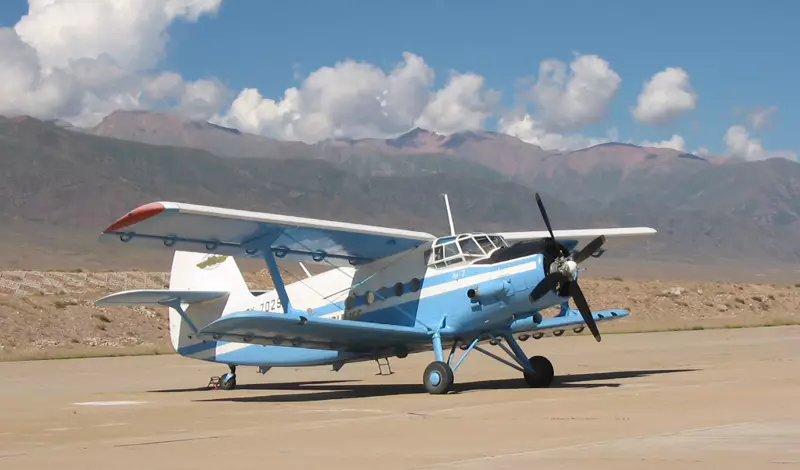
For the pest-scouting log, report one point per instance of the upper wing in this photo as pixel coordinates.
(615, 236)
(309, 332)
(190, 227)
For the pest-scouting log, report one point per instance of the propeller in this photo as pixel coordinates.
(563, 271)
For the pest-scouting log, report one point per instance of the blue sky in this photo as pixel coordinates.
(737, 54)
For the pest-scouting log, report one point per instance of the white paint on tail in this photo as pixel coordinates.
(205, 272)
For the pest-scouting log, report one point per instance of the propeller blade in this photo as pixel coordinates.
(580, 301)
(590, 248)
(544, 216)
(546, 285)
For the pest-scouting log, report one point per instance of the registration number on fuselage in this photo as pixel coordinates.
(268, 306)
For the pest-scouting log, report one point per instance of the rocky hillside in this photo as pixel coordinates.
(55, 181)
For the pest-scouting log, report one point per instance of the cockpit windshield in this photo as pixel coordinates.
(463, 249)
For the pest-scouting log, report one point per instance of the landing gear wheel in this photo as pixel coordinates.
(543, 372)
(438, 378)
(228, 381)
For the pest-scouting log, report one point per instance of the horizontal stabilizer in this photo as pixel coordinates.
(309, 332)
(159, 297)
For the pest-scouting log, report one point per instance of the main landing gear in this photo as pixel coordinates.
(438, 377)
(224, 381)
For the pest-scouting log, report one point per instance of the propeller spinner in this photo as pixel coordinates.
(564, 271)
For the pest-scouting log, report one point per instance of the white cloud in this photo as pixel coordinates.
(666, 96)
(570, 101)
(528, 129)
(758, 118)
(356, 99)
(675, 142)
(131, 33)
(464, 104)
(80, 60)
(565, 101)
(741, 145)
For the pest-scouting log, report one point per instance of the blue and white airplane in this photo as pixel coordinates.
(389, 293)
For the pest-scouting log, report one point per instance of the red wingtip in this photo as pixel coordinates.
(137, 215)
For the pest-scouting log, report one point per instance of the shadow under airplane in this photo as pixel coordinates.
(341, 389)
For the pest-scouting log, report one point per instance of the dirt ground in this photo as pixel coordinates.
(678, 400)
(51, 314)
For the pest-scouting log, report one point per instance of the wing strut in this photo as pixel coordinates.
(277, 279)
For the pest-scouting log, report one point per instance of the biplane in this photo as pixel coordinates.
(387, 293)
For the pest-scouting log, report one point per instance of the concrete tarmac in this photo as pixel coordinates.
(688, 400)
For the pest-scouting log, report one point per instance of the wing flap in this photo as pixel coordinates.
(191, 227)
(309, 332)
(158, 297)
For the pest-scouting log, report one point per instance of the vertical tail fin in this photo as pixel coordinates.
(205, 272)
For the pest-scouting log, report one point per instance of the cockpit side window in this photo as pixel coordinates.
(485, 243)
(446, 254)
(450, 249)
(438, 253)
(498, 241)
(470, 248)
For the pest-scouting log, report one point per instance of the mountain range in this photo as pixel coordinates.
(56, 178)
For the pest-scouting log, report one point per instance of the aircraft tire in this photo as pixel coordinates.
(544, 374)
(228, 381)
(438, 378)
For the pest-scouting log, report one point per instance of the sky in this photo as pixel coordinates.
(704, 77)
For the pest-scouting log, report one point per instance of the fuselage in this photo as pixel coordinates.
(468, 293)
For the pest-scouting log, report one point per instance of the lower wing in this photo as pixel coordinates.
(309, 332)
(572, 319)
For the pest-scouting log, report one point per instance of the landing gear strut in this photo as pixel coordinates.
(438, 377)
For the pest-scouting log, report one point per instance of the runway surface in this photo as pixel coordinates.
(684, 400)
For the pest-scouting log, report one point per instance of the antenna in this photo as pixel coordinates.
(449, 215)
